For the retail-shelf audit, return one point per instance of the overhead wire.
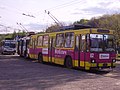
(17, 11)
(65, 4)
(62, 6)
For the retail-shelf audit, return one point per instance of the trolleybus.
(77, 47)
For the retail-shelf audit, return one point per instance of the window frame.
(71, 40)
(57, 43)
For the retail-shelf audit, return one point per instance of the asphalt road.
(17, 73)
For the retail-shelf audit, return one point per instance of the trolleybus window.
(35, 42)
(40, 40)
(45, 40)
(31, 40)
(69, 40)
(88, 42)
(60, 40)
(101, 42)
(82, 43)
(77, 43)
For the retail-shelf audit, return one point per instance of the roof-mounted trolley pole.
(54, 18)
(22, 27)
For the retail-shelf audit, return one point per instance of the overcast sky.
(31, 13)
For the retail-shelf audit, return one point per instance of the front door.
(82, 50)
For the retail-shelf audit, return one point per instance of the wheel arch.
(66, 58)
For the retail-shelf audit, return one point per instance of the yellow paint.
(100, 64)
(82, 63)
(53, 59)
(108, 64)
(95, 31)
(59, 61)
(45, 58)
(49, 59)
(31, 56)
(118, 56)
(36, 56)
(87, 66)
(75, 63)
(93, 65)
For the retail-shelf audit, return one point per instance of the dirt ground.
(17, 73)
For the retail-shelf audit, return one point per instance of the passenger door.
(45, 49)
(51, 49)
(77, 51)
(82, 50)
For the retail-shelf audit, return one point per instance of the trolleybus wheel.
(40, 58)
(68, 62)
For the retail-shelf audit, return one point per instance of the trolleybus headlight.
(114, 60)
(93, 61)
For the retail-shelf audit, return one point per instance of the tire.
(40, 58)
(68, 62)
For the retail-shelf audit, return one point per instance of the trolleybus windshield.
(101, 43)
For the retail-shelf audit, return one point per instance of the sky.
(29, 15)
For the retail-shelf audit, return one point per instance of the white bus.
(8, 47)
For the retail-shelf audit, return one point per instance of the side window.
(53, 42)
(87, 42)
(77, 43)
(33, 45)
(45, 40)
(40, 38)
(69, 40)
(60, 40)
(82, 43)
(31, 41)
(35, 42)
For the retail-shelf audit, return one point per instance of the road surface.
(17, 73)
